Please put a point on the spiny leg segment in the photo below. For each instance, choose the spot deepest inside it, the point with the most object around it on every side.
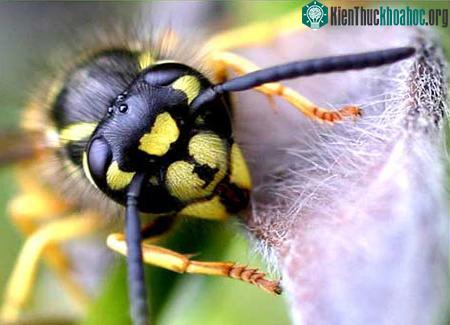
(171, 260)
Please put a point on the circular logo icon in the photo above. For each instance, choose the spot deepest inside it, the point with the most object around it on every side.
(314, 15)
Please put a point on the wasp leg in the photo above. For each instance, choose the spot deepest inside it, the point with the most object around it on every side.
(177, 262)
(41, 241)
(253, 34)
(226, 60)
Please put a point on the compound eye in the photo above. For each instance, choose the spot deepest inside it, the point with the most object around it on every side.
(99, 158)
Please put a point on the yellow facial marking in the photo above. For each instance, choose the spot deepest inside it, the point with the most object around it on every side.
(210, 209)
(145, 60)
(116, 178)
(206, 149)
(164, 132)
(239, 171)
(189, 85)
(77, 132)
(86, 170)
(183, 183)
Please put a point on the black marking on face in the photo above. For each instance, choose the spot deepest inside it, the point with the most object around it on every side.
(205, 173)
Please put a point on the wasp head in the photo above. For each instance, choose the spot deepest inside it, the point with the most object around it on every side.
(147, 127)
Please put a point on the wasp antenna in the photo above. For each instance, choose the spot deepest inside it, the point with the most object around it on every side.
(310, 67)
(305, 68)
(136, 283)
(206, 96)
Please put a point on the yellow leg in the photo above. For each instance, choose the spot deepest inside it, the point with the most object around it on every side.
(177, 262)
(253, 34)
(30, 210)
(27, 211)
(226, 60)
(42, 242)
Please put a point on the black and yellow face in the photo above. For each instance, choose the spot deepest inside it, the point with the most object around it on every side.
(193, 166)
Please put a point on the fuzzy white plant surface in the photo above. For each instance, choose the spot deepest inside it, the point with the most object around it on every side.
(354, 215)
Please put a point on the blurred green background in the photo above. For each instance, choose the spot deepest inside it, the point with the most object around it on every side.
(28, 33)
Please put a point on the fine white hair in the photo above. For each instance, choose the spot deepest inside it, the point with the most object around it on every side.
(354, 215)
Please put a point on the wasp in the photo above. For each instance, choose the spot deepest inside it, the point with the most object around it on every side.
(137, 127)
